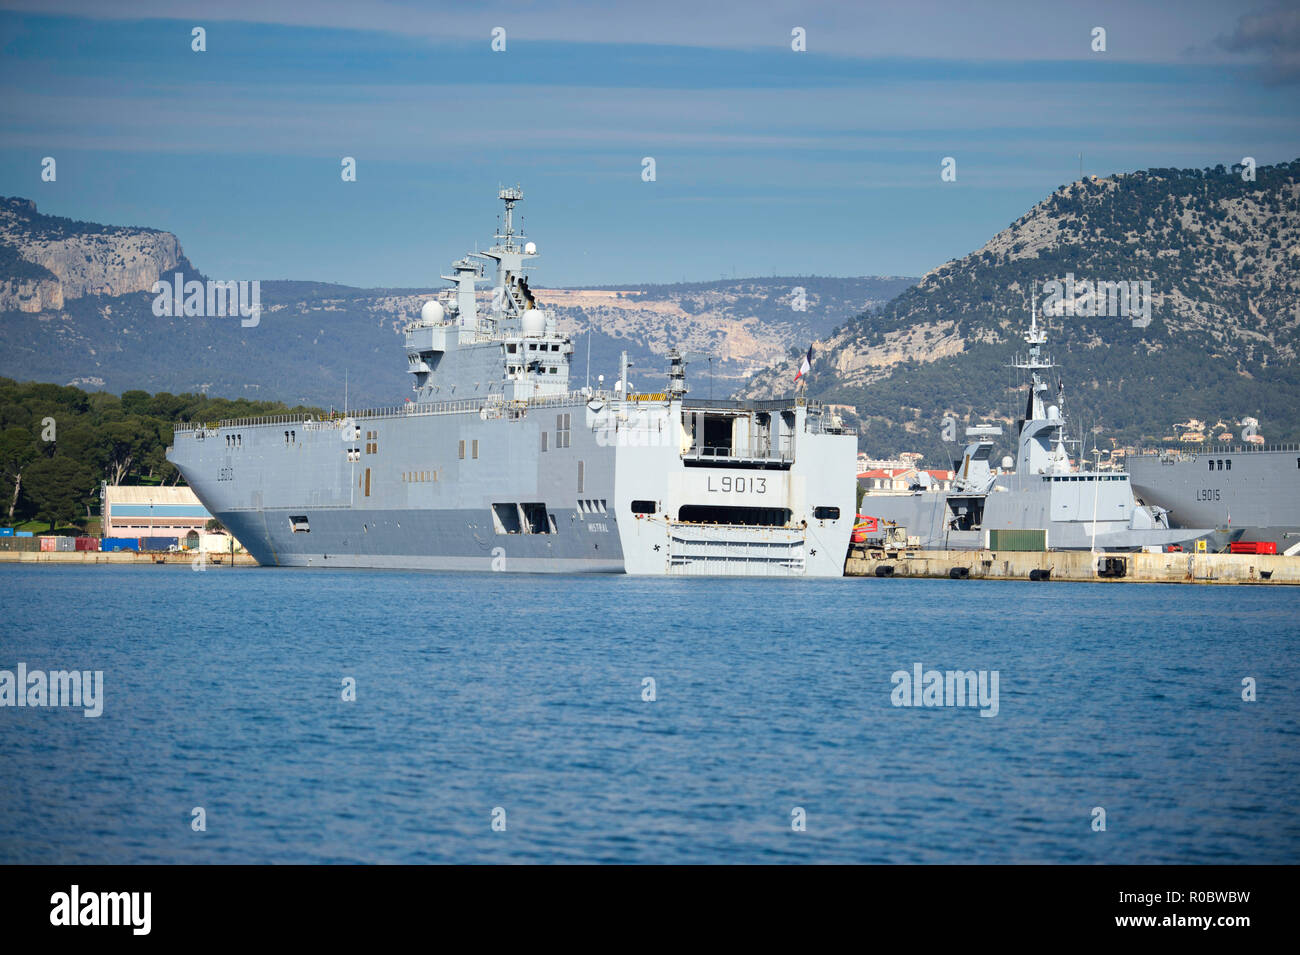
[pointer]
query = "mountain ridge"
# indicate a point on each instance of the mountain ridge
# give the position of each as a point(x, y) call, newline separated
point(1221, 254)
point(76, 307)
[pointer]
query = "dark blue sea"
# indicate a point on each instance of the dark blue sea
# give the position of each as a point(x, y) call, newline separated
point(223, 690)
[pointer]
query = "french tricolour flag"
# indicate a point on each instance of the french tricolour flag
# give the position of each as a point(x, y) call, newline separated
point(805, 366)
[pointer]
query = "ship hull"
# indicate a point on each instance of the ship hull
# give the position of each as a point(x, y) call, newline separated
point(555, 487)
point(1254, 492)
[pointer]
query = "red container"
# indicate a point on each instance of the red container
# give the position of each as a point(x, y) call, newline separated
point(87, 543)
point(1253, 547)
point(49, 543)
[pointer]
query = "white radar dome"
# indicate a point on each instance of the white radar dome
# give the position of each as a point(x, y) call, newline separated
point(431, 312)
point(1007, 462)
point(534, 323)
point(530, 248)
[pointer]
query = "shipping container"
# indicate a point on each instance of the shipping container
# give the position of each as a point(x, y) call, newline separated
point(65, 543)
point(216, 544)
point(1253, 547)
point(49, 543)
point(22, 533)
point(87, 543)
point(158, 543)
point(6, 532)
point(119, 543)
point(1017, 539)
point(19, 543)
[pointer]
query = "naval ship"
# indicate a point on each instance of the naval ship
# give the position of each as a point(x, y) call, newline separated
point(498, 463)
point(1072, 510)
point(1251, 489)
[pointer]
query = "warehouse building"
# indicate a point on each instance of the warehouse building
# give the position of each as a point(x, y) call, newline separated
point(148, 511)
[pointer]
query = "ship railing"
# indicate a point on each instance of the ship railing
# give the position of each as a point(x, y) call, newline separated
point(334, 418)
point(567, 399)
point(745, 404)
point(1204, 450)
point(737, 454)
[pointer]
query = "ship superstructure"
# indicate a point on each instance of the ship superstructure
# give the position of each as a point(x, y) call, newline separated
point(1074, 509)
point(498, 463)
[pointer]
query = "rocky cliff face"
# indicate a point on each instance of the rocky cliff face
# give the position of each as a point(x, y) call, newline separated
point(1221, 255)
point(54, 260)
point(1212, 256)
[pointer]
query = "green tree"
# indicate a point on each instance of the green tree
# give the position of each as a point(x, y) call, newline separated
point(17, 453)
point(59, 489)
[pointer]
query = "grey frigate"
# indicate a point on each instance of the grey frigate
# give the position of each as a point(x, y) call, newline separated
point(498, 463)
point(1074, 509)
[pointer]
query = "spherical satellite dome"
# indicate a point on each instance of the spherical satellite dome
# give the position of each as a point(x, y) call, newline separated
point(534, 323)
point(431, 312)
point(1007, 462)
point(530, 248)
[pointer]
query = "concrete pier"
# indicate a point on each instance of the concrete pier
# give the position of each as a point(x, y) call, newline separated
point(1183, 568)
point(121, 557)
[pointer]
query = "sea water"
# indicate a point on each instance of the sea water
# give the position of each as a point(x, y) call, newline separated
point(262, 715)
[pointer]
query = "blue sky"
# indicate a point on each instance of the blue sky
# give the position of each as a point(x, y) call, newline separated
point(767, 160)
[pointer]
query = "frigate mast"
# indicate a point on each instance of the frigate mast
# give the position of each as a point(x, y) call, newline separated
point(1034, 362)
point(1037, 408)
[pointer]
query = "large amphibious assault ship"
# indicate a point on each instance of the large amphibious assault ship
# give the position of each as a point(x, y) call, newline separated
point(1249, 488)
point(498, 463)
point(1071, 509)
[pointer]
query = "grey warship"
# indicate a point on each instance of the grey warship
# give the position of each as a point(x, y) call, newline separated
point(498, 463)
point(1074, 509)
point(1252, 489)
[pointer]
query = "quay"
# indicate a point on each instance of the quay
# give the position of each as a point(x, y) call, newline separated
point(1071, 565)
point(212, 561)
